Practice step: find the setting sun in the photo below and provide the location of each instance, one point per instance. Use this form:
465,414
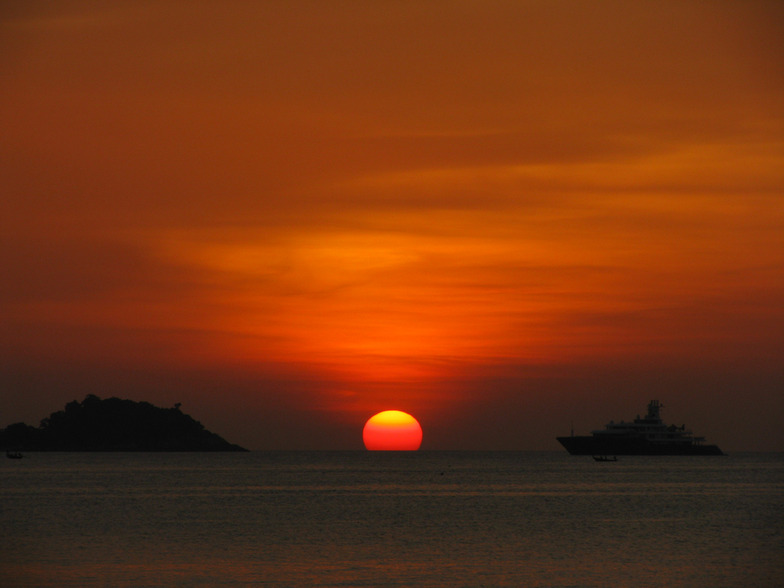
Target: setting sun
392,430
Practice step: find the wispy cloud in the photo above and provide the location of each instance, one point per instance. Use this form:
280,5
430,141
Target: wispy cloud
359,202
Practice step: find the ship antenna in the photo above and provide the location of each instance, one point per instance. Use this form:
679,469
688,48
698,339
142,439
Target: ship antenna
572,428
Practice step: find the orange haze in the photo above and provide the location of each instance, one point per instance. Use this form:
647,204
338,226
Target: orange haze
499,216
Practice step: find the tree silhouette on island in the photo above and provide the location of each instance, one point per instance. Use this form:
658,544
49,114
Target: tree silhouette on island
114,424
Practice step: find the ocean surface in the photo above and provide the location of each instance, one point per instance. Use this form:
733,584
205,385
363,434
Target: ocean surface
391,519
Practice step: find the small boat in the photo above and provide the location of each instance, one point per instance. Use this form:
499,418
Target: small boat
13,455
605,458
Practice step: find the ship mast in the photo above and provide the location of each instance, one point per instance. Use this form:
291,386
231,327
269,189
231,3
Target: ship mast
653,410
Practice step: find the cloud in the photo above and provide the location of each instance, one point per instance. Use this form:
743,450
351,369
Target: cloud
344,204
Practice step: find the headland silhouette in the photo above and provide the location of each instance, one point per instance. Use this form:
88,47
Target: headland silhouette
114,424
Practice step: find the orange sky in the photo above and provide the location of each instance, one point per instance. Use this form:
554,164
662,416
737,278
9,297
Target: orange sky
499,217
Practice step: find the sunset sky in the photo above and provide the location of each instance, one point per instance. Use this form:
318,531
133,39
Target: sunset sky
502,217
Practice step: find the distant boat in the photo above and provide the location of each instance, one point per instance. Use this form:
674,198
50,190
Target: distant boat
13,455
643,436
605,458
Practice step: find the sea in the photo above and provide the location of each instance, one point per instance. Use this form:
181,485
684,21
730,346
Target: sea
358,518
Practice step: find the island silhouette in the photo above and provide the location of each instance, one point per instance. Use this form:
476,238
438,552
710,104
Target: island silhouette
114,424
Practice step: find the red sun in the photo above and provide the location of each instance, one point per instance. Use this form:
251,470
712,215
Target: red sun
392,430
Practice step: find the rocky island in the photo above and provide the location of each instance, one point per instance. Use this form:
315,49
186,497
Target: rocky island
114,424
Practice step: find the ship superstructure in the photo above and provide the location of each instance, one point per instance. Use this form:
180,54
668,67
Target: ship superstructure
643,436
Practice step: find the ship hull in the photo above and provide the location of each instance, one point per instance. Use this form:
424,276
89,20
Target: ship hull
589,445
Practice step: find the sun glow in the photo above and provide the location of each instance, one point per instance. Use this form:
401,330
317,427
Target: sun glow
392,430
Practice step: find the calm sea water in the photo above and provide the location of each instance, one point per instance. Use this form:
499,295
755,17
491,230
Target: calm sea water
391,519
